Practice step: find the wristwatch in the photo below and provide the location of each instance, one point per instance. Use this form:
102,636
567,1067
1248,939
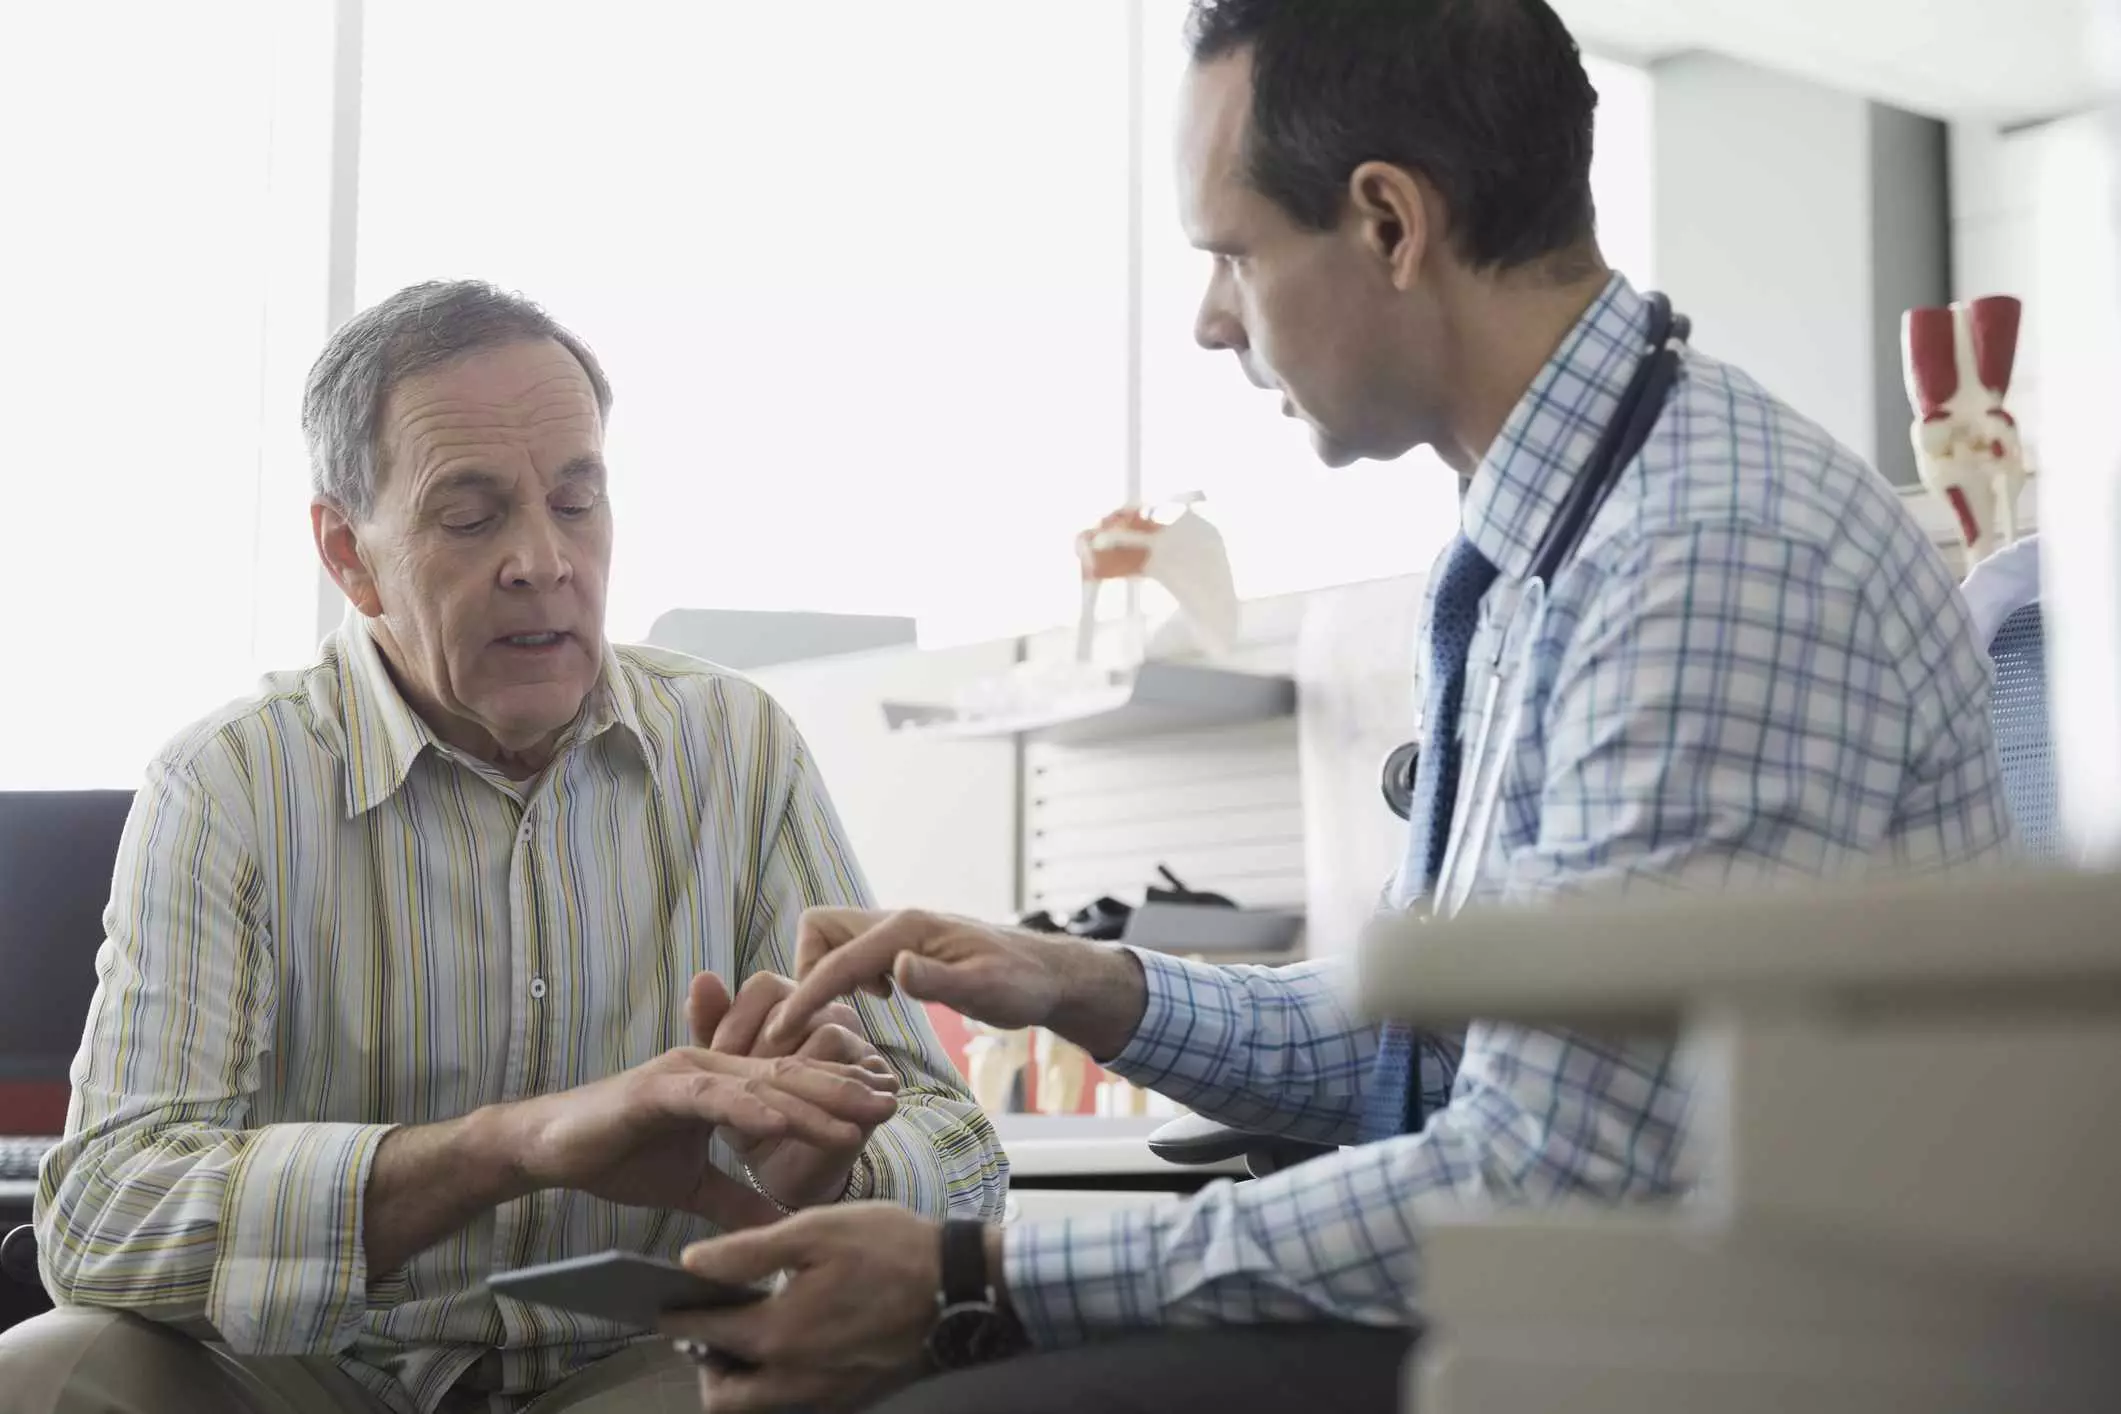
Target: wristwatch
970,1328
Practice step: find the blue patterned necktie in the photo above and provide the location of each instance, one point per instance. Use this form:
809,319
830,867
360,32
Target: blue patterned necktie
1393,1103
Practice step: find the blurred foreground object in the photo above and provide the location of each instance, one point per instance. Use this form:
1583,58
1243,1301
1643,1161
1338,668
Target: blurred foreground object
1905,1172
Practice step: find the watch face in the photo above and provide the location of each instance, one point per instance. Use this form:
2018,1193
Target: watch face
971,1334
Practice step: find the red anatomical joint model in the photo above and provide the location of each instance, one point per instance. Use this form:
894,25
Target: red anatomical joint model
1958,363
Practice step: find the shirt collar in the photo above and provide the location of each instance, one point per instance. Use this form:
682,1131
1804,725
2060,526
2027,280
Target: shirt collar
384,736
613,704
1548,437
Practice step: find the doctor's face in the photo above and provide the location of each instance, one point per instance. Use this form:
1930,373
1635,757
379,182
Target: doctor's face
1307,312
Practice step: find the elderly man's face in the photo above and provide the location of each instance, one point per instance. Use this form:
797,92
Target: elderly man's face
486,555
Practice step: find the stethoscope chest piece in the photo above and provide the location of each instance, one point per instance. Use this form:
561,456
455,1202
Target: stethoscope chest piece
1397,778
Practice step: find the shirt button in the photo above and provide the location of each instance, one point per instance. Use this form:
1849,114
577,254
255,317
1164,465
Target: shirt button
523,835
537,989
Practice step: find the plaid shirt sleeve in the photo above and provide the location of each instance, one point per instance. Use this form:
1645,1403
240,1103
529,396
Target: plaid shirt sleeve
1721,713
1272,1050
1725,710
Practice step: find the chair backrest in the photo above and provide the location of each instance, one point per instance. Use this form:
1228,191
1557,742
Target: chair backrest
57,849
2004,594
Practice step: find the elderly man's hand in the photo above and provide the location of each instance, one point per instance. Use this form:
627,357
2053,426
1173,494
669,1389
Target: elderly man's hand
797,1171
642,1137
849,1322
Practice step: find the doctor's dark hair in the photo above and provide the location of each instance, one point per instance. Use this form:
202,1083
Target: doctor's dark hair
1487,99
419,328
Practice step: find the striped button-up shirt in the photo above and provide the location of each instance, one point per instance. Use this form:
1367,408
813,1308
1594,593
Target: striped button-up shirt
326,922
1757,668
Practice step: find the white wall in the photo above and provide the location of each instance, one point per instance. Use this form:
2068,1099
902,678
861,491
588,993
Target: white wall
934,823
1996,213
1764,232
1910,262
2004,62
1796,223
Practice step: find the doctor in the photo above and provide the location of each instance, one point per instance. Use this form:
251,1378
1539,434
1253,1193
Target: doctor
1744,663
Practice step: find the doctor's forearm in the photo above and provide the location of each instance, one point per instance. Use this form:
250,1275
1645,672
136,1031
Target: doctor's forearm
1102,997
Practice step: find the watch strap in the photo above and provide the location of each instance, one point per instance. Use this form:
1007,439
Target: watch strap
965,1278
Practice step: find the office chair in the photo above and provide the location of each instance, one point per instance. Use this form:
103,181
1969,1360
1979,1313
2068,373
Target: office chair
57,851
18,1255
1193,1139
2003,594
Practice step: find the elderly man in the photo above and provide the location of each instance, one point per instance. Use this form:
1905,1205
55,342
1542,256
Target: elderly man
419,961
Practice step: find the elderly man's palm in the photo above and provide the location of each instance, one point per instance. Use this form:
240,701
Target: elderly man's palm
795,1169
642,1137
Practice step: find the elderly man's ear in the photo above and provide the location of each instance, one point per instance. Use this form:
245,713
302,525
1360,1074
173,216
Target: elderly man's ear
340,550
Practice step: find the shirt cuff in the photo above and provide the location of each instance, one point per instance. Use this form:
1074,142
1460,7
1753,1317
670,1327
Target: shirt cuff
1176,1029
898,1166
861,1180
292,1275
1071,1278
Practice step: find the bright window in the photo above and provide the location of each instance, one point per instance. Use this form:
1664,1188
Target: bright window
156,546
857,272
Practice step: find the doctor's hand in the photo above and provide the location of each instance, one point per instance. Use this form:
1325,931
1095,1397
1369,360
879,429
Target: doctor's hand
796,1170
1087,993
847,1324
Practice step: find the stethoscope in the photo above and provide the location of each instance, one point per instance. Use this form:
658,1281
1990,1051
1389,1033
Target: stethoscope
1619,444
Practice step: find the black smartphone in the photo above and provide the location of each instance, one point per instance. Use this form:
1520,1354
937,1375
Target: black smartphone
621,1286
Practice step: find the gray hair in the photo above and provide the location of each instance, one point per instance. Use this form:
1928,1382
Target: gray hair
419,328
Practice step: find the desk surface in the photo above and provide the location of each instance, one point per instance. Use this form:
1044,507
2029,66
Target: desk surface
1038,1147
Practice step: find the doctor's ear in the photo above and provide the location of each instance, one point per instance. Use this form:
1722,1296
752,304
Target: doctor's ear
1389,205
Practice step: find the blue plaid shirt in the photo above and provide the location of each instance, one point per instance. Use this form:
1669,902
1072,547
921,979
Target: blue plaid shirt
1757,667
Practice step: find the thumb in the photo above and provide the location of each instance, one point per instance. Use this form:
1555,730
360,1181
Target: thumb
926,980
918,977
706,1003
753,1254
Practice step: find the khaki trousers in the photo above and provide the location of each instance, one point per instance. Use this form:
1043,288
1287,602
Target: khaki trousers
99,1362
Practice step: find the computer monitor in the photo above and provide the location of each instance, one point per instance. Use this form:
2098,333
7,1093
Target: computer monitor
57,850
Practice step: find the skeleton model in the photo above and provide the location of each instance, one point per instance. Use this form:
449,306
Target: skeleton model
1186,555
1958,362
1063,1070
992,1059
